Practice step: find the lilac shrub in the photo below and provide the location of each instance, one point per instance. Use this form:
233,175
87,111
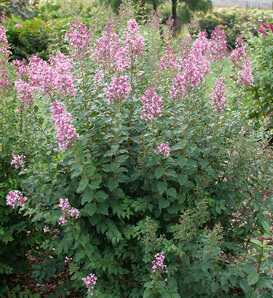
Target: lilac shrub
144,151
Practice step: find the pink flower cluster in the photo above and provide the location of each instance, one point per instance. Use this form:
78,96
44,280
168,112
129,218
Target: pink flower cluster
79,38
15,198
109,52
218,44
245,75
67,213
66,132
134,41
67,260
169,60
17,161
90,281
164,149
152,105
17,26
39,76
240,61
192,67
266,27
4,56
158,265
218,96
119,89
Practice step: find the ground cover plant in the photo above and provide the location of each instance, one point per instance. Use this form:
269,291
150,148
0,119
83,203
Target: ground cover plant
144,182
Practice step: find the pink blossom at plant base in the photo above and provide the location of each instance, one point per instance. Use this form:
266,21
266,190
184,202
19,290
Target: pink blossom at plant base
90,281
152,105
17,161
15,198
158,265
218,96
67,260
66,132
79,38
119,89
164,149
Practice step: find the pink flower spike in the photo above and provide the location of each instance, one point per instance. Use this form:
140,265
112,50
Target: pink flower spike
152,105
119,89
66,132
262,31
265,26
218,96
164,149
15,198
158,265
271,27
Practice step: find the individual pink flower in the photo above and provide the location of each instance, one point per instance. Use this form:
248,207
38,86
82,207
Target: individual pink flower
79,38
15,198
62,220
152,105
18,161
67,260
164,149
90,282
218,96
66,132
158,263
17,26
245,75
119,89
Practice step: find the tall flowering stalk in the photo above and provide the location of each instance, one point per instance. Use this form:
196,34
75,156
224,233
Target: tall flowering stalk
66,132
219,100
152,105
68,212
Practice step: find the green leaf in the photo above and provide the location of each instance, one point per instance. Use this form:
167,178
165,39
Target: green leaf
159,172
172,192
252,278
112,184
161,187
90,170
82,185
100,196
182,179
96,181
163,203
87,196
